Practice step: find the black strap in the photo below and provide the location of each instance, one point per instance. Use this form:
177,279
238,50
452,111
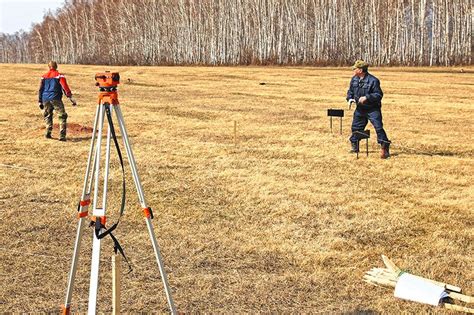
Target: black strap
122,206
112,131
117,247
98,224
151,212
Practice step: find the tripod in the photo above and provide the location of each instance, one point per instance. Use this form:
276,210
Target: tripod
108,102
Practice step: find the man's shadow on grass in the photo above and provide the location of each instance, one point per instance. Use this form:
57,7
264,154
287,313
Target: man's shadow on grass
433,153
396,152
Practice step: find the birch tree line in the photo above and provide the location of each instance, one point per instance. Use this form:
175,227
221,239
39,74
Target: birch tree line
242,32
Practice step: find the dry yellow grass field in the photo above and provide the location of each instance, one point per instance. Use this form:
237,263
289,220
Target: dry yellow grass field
284,221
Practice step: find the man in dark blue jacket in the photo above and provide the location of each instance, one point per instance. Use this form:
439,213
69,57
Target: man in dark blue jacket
365,92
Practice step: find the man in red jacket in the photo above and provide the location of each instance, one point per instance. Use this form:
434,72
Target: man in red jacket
50,98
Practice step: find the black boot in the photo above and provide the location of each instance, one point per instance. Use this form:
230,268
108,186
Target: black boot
62,133
385,152
354,147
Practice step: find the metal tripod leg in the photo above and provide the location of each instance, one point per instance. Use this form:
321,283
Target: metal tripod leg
83,209
141,197
99,213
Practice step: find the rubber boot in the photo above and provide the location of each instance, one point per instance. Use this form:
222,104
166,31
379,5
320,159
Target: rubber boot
385,151
62,133
354,147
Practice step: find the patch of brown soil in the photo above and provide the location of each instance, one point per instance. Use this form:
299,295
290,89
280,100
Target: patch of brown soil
75,129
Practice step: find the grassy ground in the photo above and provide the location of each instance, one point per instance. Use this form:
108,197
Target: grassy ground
285,220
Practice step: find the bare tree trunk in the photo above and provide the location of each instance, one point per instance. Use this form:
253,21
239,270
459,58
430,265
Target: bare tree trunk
216,32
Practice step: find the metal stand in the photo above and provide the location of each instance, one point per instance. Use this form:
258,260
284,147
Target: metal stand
107,101
360,136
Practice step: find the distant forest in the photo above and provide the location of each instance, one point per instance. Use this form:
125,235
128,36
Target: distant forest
248,32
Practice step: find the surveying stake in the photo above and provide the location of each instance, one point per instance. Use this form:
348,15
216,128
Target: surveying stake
108,102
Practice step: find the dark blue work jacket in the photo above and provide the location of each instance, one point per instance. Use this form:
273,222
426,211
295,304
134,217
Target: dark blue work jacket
52,86
369,87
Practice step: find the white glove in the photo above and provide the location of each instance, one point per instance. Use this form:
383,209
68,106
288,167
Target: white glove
73,101
350,102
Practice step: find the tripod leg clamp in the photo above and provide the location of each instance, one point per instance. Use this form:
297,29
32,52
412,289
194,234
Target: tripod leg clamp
99,220
84,203
83,207
148,213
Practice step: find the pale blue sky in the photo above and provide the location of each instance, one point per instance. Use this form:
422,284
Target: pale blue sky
20,14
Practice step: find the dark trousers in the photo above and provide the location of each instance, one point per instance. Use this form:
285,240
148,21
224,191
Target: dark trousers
360,120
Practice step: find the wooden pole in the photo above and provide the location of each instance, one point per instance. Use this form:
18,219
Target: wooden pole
390,265
116,279
459,308
461,297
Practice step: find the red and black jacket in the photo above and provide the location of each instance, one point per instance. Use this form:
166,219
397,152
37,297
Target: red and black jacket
52,86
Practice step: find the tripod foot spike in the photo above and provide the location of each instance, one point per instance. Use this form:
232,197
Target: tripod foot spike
66,310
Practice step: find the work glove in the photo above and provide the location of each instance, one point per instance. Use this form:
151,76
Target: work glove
40,105
73,101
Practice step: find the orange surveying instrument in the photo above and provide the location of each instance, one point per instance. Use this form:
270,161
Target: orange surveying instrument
108,102
107,83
